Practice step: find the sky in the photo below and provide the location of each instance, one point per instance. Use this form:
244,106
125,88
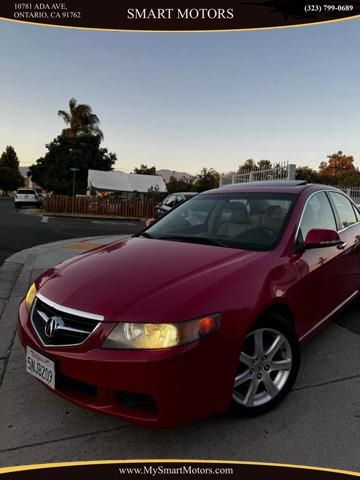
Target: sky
184,101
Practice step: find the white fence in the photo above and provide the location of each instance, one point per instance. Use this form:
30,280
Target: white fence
352,192
279,171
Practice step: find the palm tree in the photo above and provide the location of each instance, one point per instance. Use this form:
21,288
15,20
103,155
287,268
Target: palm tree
80,120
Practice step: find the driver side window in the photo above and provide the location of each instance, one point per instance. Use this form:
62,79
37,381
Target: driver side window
317,214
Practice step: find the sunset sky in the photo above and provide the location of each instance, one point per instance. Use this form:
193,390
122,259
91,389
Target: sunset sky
184,101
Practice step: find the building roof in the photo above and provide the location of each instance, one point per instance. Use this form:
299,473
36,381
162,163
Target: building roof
124,182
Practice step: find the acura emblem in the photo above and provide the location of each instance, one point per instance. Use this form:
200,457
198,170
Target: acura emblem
53,325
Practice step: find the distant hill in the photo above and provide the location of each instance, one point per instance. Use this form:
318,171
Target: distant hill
166,174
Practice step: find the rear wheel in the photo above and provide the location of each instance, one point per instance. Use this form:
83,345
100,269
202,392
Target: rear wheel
267,369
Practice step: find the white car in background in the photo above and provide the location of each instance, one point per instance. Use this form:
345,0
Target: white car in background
27,197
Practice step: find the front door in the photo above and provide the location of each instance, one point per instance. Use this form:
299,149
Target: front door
319,289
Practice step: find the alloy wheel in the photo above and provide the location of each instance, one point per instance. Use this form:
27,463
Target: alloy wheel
264,368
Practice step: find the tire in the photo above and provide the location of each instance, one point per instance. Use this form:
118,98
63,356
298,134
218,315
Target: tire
261,381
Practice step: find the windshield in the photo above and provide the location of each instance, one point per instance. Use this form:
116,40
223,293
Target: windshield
252,221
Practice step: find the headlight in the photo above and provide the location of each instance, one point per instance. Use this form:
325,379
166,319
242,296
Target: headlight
160,335
30,297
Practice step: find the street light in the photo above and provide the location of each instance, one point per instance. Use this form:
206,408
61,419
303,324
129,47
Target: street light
74,170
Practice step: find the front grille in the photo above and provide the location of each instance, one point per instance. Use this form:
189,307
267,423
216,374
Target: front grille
137,400
57,328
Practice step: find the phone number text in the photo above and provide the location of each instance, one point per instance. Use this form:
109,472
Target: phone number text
312,8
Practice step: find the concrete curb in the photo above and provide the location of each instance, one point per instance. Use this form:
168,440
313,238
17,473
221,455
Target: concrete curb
9,314
94,217
42,213
20,257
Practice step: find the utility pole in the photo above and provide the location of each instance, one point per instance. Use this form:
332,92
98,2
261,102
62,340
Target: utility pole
74,170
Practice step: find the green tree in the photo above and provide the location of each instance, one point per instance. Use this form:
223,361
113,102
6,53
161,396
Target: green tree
207,179
154,194
52,171
9,158
352,180
80,120
145,170
249,164
264,165
10,179
183,184
308,174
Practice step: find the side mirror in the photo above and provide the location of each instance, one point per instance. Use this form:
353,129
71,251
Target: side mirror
321,237
149,222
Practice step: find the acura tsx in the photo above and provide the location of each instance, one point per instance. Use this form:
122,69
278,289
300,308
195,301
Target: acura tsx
203,311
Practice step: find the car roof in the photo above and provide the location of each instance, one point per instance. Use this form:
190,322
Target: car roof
272,186
184,193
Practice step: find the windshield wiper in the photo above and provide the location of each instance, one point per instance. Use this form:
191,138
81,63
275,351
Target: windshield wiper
193,239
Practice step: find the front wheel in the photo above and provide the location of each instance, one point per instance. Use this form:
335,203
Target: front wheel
267,369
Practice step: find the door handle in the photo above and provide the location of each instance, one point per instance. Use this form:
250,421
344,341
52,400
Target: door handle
342,245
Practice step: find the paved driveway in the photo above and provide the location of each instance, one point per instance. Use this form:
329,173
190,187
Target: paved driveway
318,424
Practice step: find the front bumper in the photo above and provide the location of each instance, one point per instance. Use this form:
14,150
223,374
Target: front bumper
155,388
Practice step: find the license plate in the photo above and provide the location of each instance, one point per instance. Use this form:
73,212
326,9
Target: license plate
40,367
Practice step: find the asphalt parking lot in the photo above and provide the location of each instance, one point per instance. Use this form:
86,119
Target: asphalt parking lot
29,227
318,424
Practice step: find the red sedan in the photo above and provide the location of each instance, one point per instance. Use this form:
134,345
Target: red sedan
203,311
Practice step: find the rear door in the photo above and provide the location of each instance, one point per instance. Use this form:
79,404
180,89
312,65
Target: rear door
349,232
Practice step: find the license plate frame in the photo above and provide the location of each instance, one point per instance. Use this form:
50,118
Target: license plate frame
40,367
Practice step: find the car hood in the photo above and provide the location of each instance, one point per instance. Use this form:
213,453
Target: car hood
146,279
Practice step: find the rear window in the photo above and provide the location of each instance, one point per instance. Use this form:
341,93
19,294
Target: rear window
344,209
26,192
